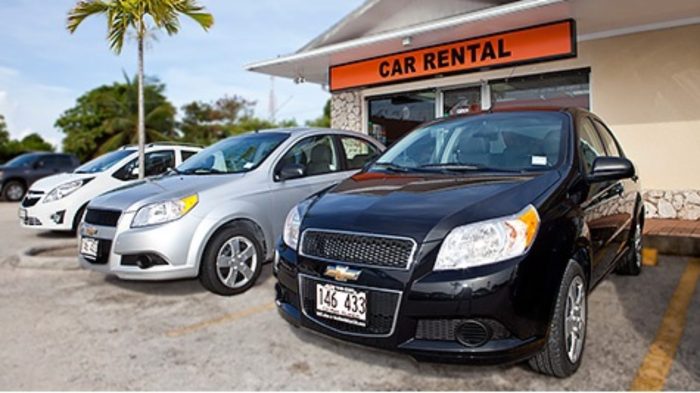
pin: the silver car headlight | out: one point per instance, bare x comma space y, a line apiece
64, 190
290, 235
162, 212
490, 241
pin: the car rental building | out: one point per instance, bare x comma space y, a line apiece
393, 64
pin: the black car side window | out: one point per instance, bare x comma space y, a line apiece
610, 144
590, 144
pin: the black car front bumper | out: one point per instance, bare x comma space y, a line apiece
423, 313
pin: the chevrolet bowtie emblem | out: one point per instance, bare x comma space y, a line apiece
342, 273
89, 231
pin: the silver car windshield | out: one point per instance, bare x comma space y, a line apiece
238, 154
104, 162
496, 142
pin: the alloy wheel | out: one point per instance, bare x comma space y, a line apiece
638, 244
575, 319
14, 192
236, 262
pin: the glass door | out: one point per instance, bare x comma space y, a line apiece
391, 117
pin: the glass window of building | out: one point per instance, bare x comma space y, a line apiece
461, 101
391, 117
565, 89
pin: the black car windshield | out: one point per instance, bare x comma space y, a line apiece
233, 155
104, 162
498, 142
23, 161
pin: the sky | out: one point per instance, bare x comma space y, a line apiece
44, 69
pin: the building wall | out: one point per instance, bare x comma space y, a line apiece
646, 86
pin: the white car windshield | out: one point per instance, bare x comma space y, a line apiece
238, 154
501, 142
104, 162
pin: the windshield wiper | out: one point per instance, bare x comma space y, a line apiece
202, 171
465, 167
393, 167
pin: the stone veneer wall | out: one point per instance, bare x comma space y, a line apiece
684, 205
346, 110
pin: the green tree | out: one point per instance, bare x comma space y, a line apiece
207, 122
10, 148
139, 16
4, 133
324, 120
105, 118
34, 142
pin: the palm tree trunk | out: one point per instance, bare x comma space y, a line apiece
141, 120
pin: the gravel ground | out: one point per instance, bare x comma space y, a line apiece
70, 329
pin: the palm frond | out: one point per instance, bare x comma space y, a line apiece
84, 9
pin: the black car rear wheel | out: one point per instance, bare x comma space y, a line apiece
13, 191
563, 350
232, 261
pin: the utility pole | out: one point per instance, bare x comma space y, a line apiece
272, 104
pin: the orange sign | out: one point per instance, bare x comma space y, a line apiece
545, 42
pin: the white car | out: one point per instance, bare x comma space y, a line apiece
57, 203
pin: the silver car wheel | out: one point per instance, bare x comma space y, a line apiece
236, 262
14, 192
575, 319
638, 244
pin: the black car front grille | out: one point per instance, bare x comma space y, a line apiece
103, 249
381, 310
360, 249
105, 218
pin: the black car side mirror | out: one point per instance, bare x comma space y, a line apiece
291, 171
611, 168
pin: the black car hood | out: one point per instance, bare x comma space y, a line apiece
424, 207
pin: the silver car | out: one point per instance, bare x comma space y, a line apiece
217, 215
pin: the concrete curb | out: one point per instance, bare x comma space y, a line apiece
674, 245
30, 258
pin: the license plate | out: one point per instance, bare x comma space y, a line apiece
88, 247
22, 214
341, 304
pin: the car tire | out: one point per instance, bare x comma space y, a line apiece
562, 354
232, 261
631, 263
13, 191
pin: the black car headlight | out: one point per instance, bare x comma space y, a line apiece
490, 241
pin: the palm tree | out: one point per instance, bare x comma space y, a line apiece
120, 101
125, 15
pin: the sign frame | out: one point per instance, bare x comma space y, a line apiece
572, 53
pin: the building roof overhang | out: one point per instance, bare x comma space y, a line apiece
595, 19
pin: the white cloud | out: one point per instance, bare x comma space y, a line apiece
29, 106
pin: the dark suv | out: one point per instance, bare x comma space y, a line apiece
19, 173
472, 239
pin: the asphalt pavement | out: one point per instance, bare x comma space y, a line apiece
70, 329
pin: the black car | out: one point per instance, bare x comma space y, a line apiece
473, 239
18, 174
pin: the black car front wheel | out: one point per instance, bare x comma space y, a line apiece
232, 261
13, 191
563, 350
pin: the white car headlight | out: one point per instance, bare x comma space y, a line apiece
64, 190
490, 241
290, 236
162, 212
